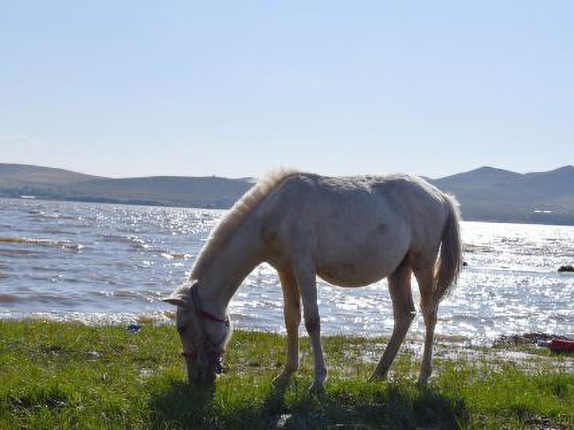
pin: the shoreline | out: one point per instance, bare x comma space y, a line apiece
167, 317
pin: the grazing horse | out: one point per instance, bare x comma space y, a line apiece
351, 232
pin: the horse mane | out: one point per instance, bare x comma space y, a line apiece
235, 217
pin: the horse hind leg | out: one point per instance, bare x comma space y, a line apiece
429, 307
403, 313
292, 314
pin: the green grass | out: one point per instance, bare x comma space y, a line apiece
63, 375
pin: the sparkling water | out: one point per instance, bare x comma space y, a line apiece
103, 263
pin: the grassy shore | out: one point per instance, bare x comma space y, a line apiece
64, 375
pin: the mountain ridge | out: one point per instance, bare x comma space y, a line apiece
485, 194
506, 196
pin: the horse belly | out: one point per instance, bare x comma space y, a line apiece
347, 275
358, 266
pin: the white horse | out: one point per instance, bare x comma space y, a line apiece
350, 232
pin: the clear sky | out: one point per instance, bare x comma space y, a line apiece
235, 88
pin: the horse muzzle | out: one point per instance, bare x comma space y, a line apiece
197, 374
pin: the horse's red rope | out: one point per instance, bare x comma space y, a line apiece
209, 316
212, 317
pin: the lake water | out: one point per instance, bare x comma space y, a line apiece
102, 263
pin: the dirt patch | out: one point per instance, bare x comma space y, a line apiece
536, 422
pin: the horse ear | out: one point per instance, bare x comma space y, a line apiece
180, 297
177, 301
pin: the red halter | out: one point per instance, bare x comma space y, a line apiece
211, 317
190, 355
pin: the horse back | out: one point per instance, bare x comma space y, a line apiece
359, 222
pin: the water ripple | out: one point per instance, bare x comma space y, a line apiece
101, 263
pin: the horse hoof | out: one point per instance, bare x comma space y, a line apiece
376, 377
281, 381
316, 388
423, 381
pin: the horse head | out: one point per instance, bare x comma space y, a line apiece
203, 335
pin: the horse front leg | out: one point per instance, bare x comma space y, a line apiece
292, 314
306, 278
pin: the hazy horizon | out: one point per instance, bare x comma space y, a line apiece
136, 89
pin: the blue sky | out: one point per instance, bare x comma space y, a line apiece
137, 88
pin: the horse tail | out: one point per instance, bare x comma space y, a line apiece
449, 263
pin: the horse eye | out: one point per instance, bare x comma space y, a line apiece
181, 329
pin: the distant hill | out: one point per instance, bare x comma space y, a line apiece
202, 192
489, 194
57, 184
18, 179
485, 194
40, 175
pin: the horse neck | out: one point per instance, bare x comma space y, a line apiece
238, 256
